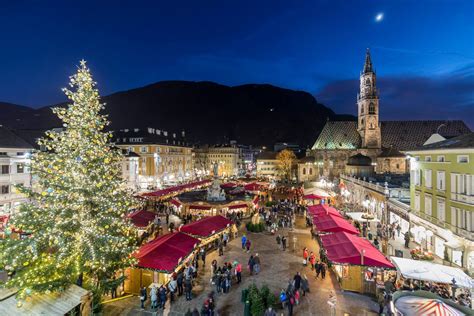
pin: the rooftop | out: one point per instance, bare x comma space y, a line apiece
459, 142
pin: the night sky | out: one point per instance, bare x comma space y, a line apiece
423, 51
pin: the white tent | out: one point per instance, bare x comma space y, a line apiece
433, 272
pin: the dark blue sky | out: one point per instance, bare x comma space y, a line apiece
423, 50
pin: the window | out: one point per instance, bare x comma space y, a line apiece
417, 158
441, 210
371, 108
463, 159
462, 218
397, 166
440, 158
417, 202
428, 178
428, 158
2, 153
5, 169
5, 189
310, 171
362, 109
440, 181
20, 168
428, 205
143, 149
417, 178
304, 170
20, 153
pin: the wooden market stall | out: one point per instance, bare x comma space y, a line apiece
209, 229
359, 266
74, 300
159, 259
321, 210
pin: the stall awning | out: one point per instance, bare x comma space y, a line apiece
332, 224
416, 305
313, 197
175, 202
348, 249
228, 185
141, 218
207, 226
236, 206
428, 271
323, 209
254, 187
255, 200
166, 252
199, 207
176, 189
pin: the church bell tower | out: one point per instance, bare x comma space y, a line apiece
368, 107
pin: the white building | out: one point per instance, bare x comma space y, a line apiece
14, 158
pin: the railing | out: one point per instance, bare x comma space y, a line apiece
375, 187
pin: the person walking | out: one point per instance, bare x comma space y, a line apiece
244, 241
203, 256
269, 312
256, 261
221, 249
251, 264
238, 271
312, 260
297, 281
188, 287
172, 287
305, 256
317, 267
398, 229
154, 297
278, 240
283, 243
407, 239
162, 296
247, 245
179, 283
304, 284
143, 297
323, 270
376, 243
291, 302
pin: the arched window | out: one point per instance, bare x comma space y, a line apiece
371, 108
362, 109
367, 82
362, 122
310, 171
304, 170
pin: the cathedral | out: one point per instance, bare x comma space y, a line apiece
370, 145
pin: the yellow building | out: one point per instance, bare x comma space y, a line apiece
229, 159
267, 165
164, 158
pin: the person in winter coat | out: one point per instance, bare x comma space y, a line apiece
172, 287
323, 270
238, 271
305, 256
162, 296
247, 245
312, 260
143, 297
251, 264
269, 312
256, 261
154, 297
179, 283
297, 281
244, 241
188, 287
304, 284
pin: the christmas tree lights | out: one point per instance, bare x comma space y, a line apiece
77, 214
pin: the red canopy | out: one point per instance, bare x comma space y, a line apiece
346, 248
332, 224
323, 209
199, 207
177, 189
233, 207
228, 185
165, 252
314, 197
207, 226
256, 199
254, 186
141, 218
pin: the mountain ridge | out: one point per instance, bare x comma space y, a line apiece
209, 112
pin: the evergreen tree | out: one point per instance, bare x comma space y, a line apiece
76, 216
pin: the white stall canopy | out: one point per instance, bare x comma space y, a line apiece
432, 272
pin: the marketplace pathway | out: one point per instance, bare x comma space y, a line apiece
278, 267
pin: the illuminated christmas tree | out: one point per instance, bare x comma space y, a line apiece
78, 203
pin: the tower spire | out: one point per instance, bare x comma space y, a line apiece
368, 62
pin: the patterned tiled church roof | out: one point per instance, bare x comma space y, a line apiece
401, 135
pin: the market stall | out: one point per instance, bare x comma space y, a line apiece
209, 229
426, 303
359, 266
432, 272
321, 210
142, 218
328, 223
158, 259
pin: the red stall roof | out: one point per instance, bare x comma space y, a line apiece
207, 226
228, 185
199, 207
323, 209
253, 187
233, 207
165, 252
333, 224
256, 199
177, 189
141, 218
314, 197
346, 248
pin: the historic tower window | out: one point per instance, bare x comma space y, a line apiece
362, 110
367, 82
371, 108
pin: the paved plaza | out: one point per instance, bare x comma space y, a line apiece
277, 268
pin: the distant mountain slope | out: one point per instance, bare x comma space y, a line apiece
257, 114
